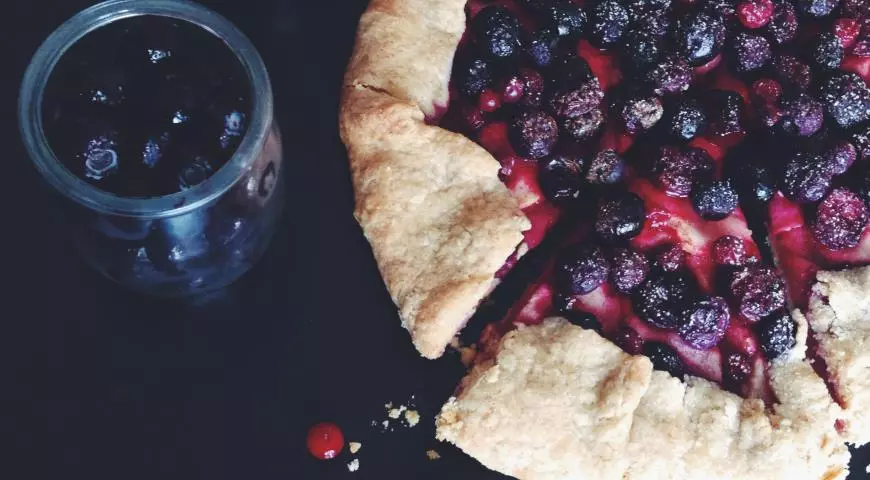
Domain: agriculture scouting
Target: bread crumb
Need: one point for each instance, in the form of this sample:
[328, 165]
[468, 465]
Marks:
[354, 446]
[353, 465]
[388, 405]
[432, 454]
[867, 469]
[454, 343]
[386, 423]
[397, 412]
[412, 417]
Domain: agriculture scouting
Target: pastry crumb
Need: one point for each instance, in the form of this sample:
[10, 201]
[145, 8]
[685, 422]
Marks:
[867, 469]
[395, 413]
[388, 405]
[354, 446]
[412, 417]
[454, 343]
[432, 455]
[386, 424]
[353, 465]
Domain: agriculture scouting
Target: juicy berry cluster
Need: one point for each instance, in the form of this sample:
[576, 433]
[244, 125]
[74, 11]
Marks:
[148, 116]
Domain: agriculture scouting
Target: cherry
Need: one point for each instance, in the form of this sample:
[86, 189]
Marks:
[489, 101]
[767, 90]
[325, 441]
[755, 13]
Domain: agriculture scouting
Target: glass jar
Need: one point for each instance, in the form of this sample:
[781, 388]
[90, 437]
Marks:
[197, 239]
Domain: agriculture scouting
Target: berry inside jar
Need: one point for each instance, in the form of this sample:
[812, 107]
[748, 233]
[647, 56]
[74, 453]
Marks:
[146, 106]
[672, 138]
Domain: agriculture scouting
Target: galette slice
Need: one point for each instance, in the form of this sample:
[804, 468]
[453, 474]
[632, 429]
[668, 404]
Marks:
[555, 401]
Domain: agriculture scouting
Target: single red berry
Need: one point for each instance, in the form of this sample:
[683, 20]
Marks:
[847, 30]
[512, 89]
[755, 13]
[473, 117]
[729, 250]
[767, 90]
[489, 101]
[325, 440]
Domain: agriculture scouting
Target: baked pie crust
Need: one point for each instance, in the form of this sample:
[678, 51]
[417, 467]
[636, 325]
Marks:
[554, 401]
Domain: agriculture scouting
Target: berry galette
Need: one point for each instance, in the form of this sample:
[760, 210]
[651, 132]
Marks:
[703, 307]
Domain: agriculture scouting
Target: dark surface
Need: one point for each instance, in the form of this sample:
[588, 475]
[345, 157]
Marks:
[106, 385]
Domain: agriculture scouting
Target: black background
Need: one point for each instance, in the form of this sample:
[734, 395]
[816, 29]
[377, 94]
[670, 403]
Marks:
[100, 384]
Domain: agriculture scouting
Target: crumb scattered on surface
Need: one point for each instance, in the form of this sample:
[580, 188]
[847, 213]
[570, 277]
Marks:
[386, 424]
[353, 465]
[867, 469]
[354, 446]
[454, 342]
[432, 454]
[395, 413]
[412, 417]
[388, 405]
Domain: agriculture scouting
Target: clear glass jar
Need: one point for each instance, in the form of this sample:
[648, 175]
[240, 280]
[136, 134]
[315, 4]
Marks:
[198, 239]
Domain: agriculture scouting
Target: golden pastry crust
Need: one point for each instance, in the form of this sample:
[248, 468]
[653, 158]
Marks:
[839, 313]
[535, 411]
[429, 201]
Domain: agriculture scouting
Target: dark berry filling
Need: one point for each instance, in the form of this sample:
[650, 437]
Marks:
[666, 132]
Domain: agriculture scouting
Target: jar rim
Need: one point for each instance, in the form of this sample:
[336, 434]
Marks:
[55, 46]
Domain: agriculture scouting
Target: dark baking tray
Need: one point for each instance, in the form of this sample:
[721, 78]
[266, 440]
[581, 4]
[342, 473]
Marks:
[101, 384]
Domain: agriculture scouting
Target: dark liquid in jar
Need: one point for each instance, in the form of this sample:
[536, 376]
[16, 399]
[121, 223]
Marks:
[147, 106]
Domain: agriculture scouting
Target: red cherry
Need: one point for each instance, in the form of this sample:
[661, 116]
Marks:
[847, 30]
[755, 13]
[325, 441]
[489, 101]
[512, 89]
[767, 90]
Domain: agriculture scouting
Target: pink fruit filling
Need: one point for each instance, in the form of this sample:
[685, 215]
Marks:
[662, 134]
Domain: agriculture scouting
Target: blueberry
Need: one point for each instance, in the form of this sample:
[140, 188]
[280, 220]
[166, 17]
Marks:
[585, 126]
[540, 46]
[583, 269]
[684, 119]
[640, 49]
[473, 75]
[729, 250]
[757, 291]
[750, 52]
[630, 269]
[671, 75]
[846, 98]
[676, 170]
[100, 162]
[641, 113]
[567, 18]
[704, 322]
[671, 259]
[561, 177]
[664, 358]
[724, 111]
[817, 8]
[802, 115]
[840, 156]
[752, 169]
[619, 217]
[606, 168]
[656, 22]
[639, 8]
[699, 37]
[578, 100]
[840, 220]
[496, 31]
[782, 27]
[533, 133]
[155, 148]
[608, 20]
[714, 200]
[791, 72]
[660, 299]
[777, 335]
[583, 320]
[807, 177]
[235, 124]
[827, 52]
